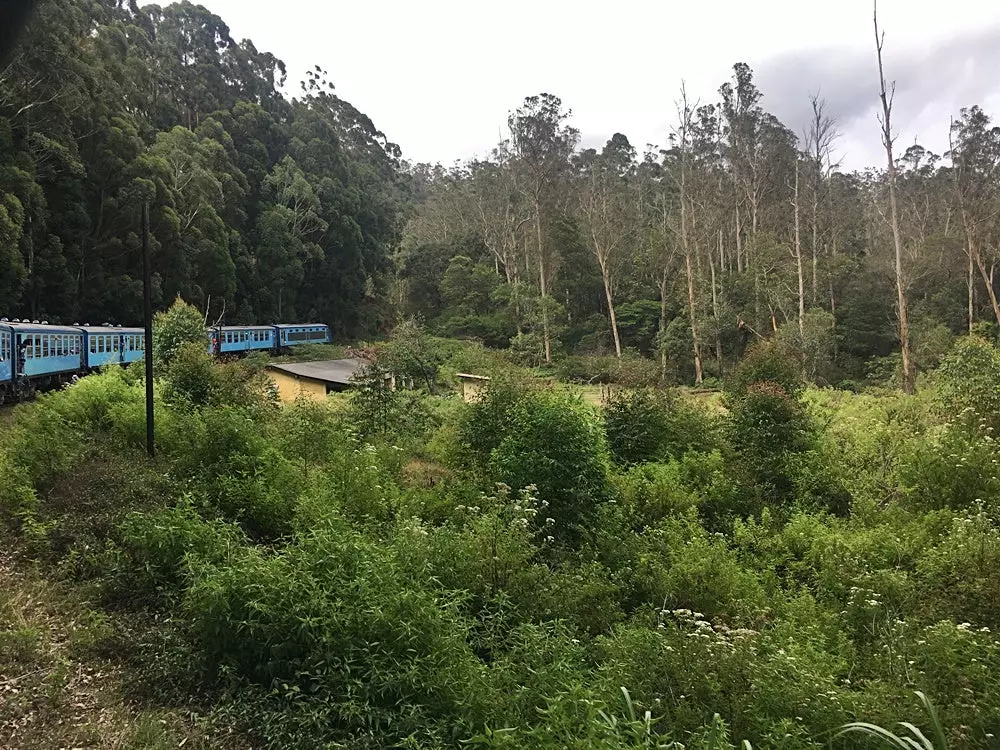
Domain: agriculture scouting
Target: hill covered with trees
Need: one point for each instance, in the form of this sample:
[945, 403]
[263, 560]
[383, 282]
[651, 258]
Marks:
[262, 207]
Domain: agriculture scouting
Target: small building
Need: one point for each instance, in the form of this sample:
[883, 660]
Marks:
[472, 386]
[315, 380]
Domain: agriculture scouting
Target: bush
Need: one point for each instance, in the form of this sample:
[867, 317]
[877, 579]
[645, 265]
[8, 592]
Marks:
[968, 383]
[178, 325]
[647, 425]
[767, 429]
[334, 638]
[766, 361]
[555, 443]
[153, 551]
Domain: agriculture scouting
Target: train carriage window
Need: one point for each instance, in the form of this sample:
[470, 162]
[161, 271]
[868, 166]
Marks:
[45, 346]
[59, 345]
[92, 345]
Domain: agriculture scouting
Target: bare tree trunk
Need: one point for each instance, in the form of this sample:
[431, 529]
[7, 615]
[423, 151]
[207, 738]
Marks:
[739, 241]
[798, 256]
[971, 295]
[692, 307]
[542, 283]
[815, 240]
[715, 304]
[987, 278]
[663, 324]
[606, 278]
[909, 381]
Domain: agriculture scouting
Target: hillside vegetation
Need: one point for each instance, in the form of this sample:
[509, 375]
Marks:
[400, 569]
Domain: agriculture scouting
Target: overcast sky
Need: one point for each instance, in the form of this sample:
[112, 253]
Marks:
[440, 76]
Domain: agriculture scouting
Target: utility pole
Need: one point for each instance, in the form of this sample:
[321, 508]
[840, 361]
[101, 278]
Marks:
[147, 294]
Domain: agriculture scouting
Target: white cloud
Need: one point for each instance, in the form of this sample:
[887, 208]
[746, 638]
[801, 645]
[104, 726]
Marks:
[439, 76]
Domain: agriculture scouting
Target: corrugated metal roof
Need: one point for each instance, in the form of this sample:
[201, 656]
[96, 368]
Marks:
[341, 371]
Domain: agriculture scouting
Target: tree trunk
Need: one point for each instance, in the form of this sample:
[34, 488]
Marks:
[909, 380]
[815, 238]
[798, 257]
[542, 286]
[987, 280]
[606, 278]
[715, 304]
[971, 295]
[739, 241]
[663, 324]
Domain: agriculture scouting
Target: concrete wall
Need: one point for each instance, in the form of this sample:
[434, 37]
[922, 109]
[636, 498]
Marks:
[291, 387]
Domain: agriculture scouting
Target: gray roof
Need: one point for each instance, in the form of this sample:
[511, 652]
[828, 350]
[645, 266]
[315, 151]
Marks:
[340, 371]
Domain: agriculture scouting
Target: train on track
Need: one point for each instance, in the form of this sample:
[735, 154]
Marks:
[36, 356]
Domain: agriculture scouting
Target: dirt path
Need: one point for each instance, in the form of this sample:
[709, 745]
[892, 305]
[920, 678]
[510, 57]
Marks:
[56, 688]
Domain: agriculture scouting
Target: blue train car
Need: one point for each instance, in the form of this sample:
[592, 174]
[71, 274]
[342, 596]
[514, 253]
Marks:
[133, 345]
[293, 334]
[6, 359]
[109, 345]
[101, 346]
[242, 339]
[41, 355]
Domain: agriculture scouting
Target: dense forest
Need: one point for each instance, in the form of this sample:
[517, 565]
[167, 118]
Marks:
[261, 207]
[267, 207]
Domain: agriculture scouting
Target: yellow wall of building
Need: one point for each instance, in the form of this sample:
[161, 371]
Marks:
[472, 390]
[291, 387]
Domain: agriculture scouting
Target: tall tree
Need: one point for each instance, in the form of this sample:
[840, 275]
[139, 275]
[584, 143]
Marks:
[609, 209]
[543, 143]
[909, 379]
[682, 144]
[975, 155]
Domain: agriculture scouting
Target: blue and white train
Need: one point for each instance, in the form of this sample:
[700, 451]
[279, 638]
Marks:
[37, 355]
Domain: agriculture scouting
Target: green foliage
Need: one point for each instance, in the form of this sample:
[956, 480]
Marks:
[411, 355]
[968, 383]
[375, 404]
[334, 636]
[309, 580]
[767, 361]
[555, 443]
[913, 739]
[173, 328]
[768, 430]
[647, 425]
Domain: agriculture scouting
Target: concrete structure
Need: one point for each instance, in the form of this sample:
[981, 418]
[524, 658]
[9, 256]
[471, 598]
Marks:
[472, 386]
[314, 380]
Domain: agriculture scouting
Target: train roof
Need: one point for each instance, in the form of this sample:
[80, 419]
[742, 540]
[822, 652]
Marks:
[37, 327]
[110, 329]
[241, 328]
[301, 325]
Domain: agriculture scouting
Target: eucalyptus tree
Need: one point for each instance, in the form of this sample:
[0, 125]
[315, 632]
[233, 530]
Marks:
[885, 120]
[975, 156]
[542, 143]
[609, 210]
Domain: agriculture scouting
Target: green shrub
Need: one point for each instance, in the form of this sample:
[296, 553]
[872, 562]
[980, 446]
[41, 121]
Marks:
[180, 324]
[339, 643]
[766, 361]
[968, 383]
[555, 443]
[153, 549]
[648, 425]
[768, 429]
